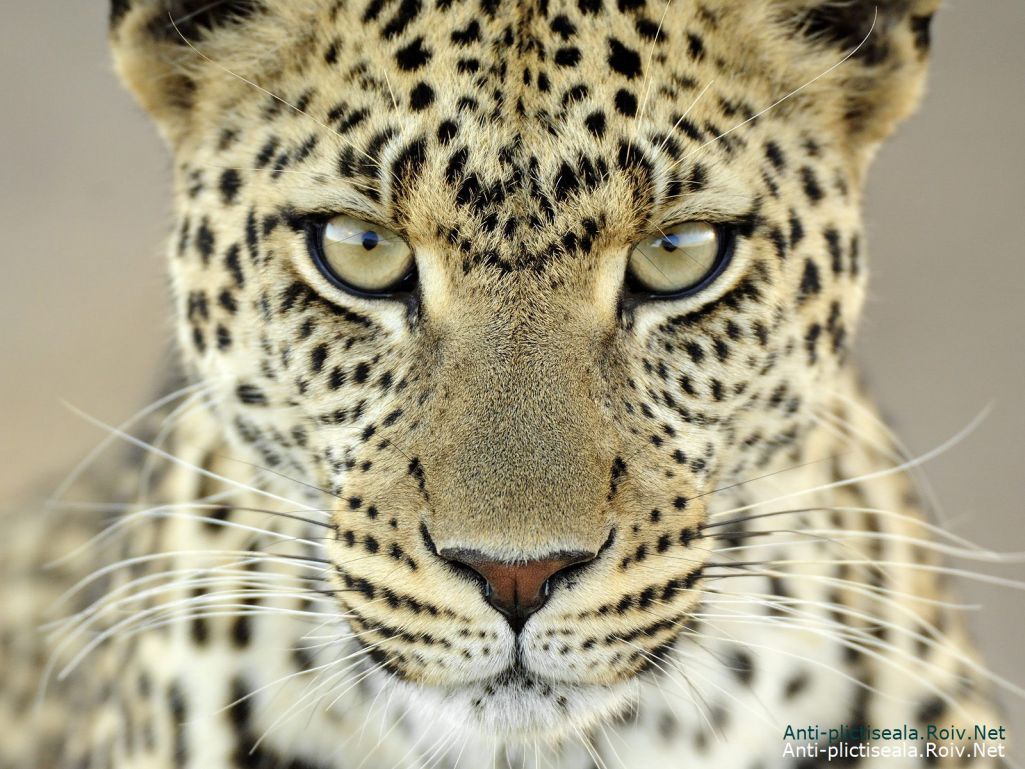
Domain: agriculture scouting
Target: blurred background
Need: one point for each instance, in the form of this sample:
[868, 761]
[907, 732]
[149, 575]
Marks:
[84, 209]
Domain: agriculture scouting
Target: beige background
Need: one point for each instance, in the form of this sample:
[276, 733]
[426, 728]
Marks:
[84, 208]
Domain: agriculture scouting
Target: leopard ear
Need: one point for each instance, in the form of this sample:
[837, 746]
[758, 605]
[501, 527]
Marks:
[888, 42]
[156, 43]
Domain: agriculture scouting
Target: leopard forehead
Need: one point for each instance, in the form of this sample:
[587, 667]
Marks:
[507, 130]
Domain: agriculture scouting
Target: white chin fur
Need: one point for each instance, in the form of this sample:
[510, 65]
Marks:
[512, 709]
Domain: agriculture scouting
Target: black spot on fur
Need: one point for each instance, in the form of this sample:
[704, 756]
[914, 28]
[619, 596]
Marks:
[568, 56]
[595, 123]
[920, 30]
[811, 185]
[190, 20]
[811, 284]
[626, 103]
[623, 60]
[447, 131]
[421, 97]
[413, 56]
[930, 710]
[407, 12]
[229, 185]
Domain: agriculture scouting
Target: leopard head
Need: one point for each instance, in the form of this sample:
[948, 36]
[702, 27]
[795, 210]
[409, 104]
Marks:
[522, 284]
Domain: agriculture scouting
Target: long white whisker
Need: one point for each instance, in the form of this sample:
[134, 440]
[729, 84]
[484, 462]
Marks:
[188, 465]
[89, 458]
[793, 93]
[331, 130]
[125, 521]
[903, 517]
[874, 475]
[248, 555]
[832, 606]
[988, 579]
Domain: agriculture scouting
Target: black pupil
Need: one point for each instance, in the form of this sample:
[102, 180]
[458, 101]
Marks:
[670, 242]
[370, 239]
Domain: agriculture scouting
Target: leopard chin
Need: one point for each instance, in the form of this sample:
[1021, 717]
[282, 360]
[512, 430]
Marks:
[518, 706]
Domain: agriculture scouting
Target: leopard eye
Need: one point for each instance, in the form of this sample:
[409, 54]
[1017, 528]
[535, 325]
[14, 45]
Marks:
[362, 257]
[678, 261]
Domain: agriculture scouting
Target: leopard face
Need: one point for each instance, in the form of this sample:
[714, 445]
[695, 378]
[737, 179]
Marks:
[518, 400]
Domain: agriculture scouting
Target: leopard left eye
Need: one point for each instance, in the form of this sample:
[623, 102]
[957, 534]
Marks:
[679, 261]
[361, 257]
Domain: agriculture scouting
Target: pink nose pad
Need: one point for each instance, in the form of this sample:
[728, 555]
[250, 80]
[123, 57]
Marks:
[517, 590]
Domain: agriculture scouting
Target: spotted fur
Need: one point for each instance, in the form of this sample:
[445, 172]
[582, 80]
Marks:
[283, 604]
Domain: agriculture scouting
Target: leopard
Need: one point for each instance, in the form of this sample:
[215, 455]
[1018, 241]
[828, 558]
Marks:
[513, 420]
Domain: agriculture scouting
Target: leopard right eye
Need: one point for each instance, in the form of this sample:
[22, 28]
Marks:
[679, 261]
[362, 257]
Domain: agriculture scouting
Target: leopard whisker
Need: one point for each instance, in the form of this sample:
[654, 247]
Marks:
[167, 425]
[462, 749]
[772, 474]
[853, 52]
[747, 596]
[844, 640]
[695, 700]
[243, 610]
[925, 544]
[120, 527]
[251, 555]
[674, 667]
[362, 651]
[853, 436]
[236, 592]
[124, 521]
[191, 573]
[276, 682]
[331, 130]
[437, 754]
[683, 117]
[785, 604]
[234, 589]
[108, 602]
[329, 682]
[818, 663]
[258, 531]
[876, 567]
[189, 15]
[241, 568]
[86, 462]
[878, 592]
[737, 484]
[322, 680]
[611, 747]
[591, 750]
[876, 474]
[370, 714]
[279, 474]
[901, 448]
[94, 506]
[382, 734]
[148, 447]
[903, 517]
[989, 579]
[763, 713]
[211, 610]
[647, 67]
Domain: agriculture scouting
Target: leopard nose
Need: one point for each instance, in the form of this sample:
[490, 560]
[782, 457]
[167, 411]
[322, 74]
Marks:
[517, 590]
